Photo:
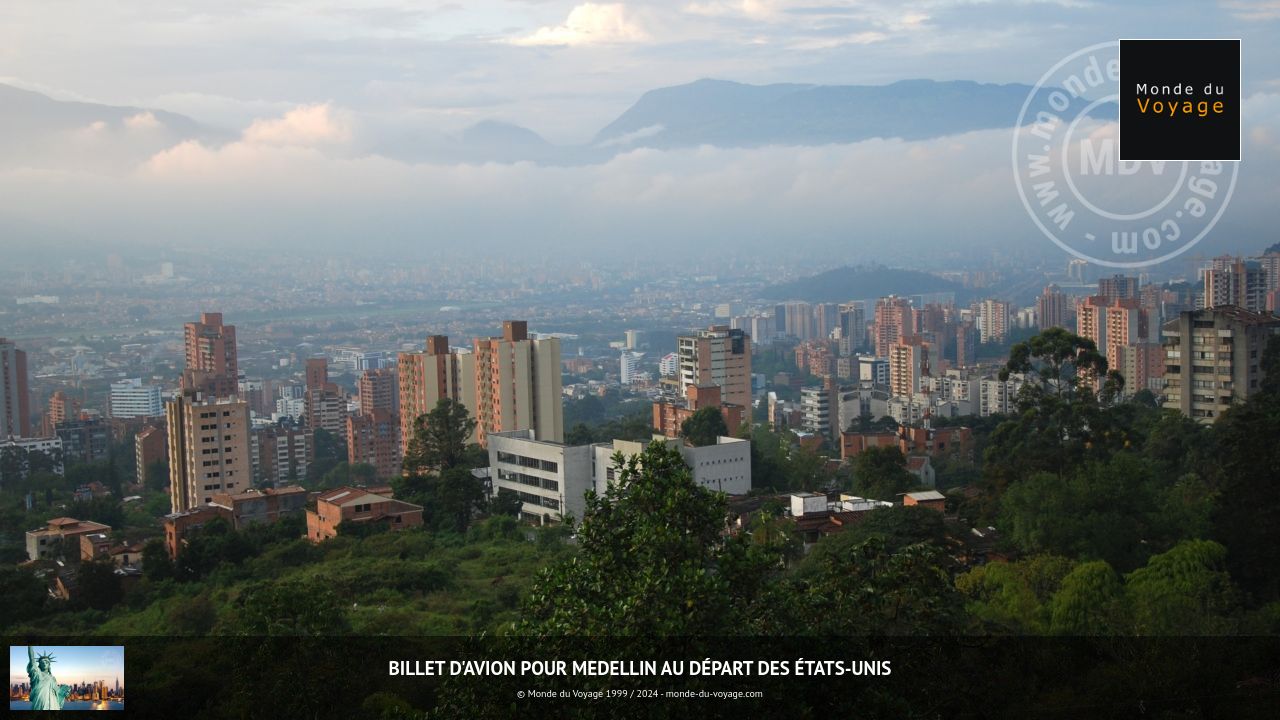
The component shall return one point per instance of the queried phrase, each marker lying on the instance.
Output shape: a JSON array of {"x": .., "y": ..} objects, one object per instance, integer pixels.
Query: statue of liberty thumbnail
[{"x": 46, "y": 693}]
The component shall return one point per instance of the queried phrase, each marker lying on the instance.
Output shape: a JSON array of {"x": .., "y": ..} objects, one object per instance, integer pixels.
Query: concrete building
[
  {"x": 1213, "y": 357},
  {"x": 379, "y": 390},
  {"x": 425, "y": 377},
  {"x": 894, "y": 319},
  {"x": 212, "y": 364},
  {"x": 518, "y": 384},
  {"x": 181, "y": 526},
  {"x": 853, "y": 325},
  {"x": 724, "y": 467},
  {"x": 1242, "y": 283},
  {"x": 209, "y": 448},
  {"x": 994, "y": 321},
  {"x": 48, "y": 447},
  {"x": 629, "y": 367},
  {"x": 669, "y": 414},
  {"x": 280, "y": 454},
  {"x": 259, "y": 506},
  {"x": 1052, "y": 308},
  {"x": 15, "y": 396},
  {"x": 149, "y": 446},
  {"x": 550, "y": 478},
  {"x": 325, "y": 407},
  {"x": 84, "y": 440},
  {"x": 357, "y": 505},
  {"x": 909, "y": 362},
  {"x": 61, "y": 408},
  {"x": 511, "y": 382},
  {"x": 1119, "y": 287},
  {"x": 717, "y": 356},
  {"x": 373, "y": 438},
  {"x": 132, "y": 399},
  {"x": 49, "y": 542}
]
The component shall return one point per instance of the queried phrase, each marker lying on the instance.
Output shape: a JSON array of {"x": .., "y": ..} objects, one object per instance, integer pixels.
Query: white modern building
[
  {"x": 629, "y": 366},
  {"x": 724, "y": 467},
  {"x": 551, "y": 478},
  {"x": 131, "y": 398}
]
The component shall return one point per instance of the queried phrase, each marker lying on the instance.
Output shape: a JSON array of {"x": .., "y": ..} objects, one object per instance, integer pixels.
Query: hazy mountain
[
  {"x": 728, "y": 114},
  {"x": 855, "y": 283},
  {"x": 36, "y": 129}
]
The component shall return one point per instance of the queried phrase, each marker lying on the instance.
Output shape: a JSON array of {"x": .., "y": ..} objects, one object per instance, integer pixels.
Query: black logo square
[{"x": 1180, "y": 99}]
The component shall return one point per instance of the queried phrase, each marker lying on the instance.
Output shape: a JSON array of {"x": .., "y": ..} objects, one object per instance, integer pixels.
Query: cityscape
[{"x": 817, "y": 359}]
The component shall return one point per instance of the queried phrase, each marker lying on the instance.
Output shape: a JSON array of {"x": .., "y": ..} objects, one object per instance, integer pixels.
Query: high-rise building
[
  {"x": 669, "y": 365},
  {"x": 212, "y": 365},
  {"x": 873, "y": 370},
  {"x": 379, "y": 390},
  {"x": 510, "y": 382},
  {"x": 280, "y": 455},
  {"x": 908, "y": 363},
  {"x": 1091, "y": 320},
  {"x": 317, "y": 373},
  {"x": 1242, "y": 283},
  {"x": 853, "y": 325},
  {"x": 893, "y": 321},
  {"x": 629, "y": 367},
  {"x": 61, "y": 408},
  {"x": 796, "y": 320},
  {"x": 1126, "y": 324},
  {"x": 994, "y": 326},
  {"x": 149, "y": 447},
  {"x": 518, "y": 383},
  {"x": 1213, "y": 358},
  {"x": 209, "y": 448},
  {"x": 825, "y": 320},
  {"x": 84, "y": 440},
  {"x": 325, "y": 405},
  {"x": 966, "y": 344},
  {"x": 373, "y": 438},
  {"x": 15, "y": 398},
  {"x": 1118, "y": 287},
  {"x": 427, "y": 376},
  {"x": 717, "y": 356},
  {"x": 1139, "y": 363},
  {"x": 131, "y": 399},
  {"x": 1052, "y": 309}
]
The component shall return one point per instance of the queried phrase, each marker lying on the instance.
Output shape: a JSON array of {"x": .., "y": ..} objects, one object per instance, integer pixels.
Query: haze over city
[{"x": 430, "y": 129}]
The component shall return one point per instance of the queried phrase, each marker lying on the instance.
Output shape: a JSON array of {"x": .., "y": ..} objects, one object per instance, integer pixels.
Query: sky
[
  {"x": 72, "y": 664},
  {"x": 307, "y": 90}
]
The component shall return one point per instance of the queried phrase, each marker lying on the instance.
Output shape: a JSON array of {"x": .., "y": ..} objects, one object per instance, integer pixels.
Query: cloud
[
  {"x": 909, "y": 202},
  {"x": 628, "y": 138},
  {"x": 145, "y": 120},
  {"x": 308, "y": 125},
  {"x": 589, "y": 24}
]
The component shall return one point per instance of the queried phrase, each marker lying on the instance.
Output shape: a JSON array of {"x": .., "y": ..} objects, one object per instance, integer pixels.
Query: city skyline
[{"x": 73, "y": 664}]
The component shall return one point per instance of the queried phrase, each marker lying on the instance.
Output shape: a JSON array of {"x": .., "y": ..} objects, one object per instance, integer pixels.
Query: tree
[
  {"x": 1246, "y": 514},
  {"x": 440, "y": 438},
  {"x": 880, "y": 473},
  {"x": 1185, "y": 591},
  {"x": 156, "y": 563},
  {"x": 99, "y": 586},
  {"x": 1012, "y": 597},
  {"x": 22, "y": 594},
  {"x": 290, "y": 608},
  {"x": 505, "y": 502},
  {"x": 704, "y": 426},
  {"x": 1087, "y": 602},
  {"x": 652, "y": 560}
]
